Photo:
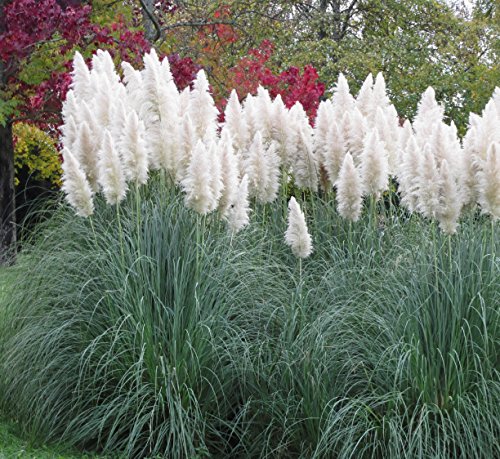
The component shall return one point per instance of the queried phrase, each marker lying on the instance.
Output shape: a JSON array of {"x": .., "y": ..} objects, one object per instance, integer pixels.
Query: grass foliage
[{"x": 149, "y": 331}]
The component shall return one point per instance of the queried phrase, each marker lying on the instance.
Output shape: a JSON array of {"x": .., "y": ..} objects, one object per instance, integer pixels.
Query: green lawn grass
[{"x": 13, "y": 446}]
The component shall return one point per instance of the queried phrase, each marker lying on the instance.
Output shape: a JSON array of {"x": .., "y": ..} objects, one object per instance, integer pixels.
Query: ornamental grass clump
[{"x": 183, "y": 312}]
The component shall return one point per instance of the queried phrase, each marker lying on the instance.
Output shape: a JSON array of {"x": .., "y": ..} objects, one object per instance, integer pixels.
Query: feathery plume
[
  {"x": 450, "y": 200},
  {"x": 134, "y": 86},
  {"x": 80, "y": 76},
  {"x": 282, "y": 130},
  {"x": 409, "y": 173},
  {"x": 262, "y": 168},
  {"x": 342, "y": 100},
  {"x": 489, "y": 182},
  {"x": 229, "y": 172},
  {"x": 349, "y": 191},
  {"x": 429, "y": 114},
  {"x": 238, "y": 212},
  {"x": 235, "y": 123},
  {"x": 304, "y": 163},
  {"x": 322, "y": 125},
  {"x": 216, "y": 183},
  {"x": 186, "y": 147},
  {"x": 197, "y": 183},
  {"x": 265, "y": 108},
  {"x": 428, "y": 185},
  {"x": 297, "y": 235},
  {"x": 85, "y": 151},
  {"x": 364, "y": 100},
  {"x": 76, "y": 186},
  {"x": 374, "y": 169},
  {"x": 133, "y": 149},
  {"x": 111, "y": 175},
  {"x": 335, "y": 151},
  {"x": 357, "y": 128},
  {"x": 379, "y": 95},
  {"x": 202, "y": 109}
]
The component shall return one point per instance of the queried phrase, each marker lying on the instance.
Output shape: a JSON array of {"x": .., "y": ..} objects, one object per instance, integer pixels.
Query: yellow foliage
[{"x": 36, "y": 150}]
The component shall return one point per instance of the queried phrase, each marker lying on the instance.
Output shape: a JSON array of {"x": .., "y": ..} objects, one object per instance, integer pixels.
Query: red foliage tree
[{"x": 292, "y": 84}]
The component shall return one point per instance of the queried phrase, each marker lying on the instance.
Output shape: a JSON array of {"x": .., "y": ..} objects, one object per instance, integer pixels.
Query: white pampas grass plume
[
  {"x": 355, "y": 131},
  {"x": 489, "y": 182},
  {"x": 265, "y": 108},
  {"x": 428, "y": 185},
  {"x": 297, "y": 235},
  {"x": 80, "y": 77},
  {"x": 235, "y": 123},
  {"x": 202, "y": 109},
  {"x": 159, "y": 112},
  {"x": 197, "y": 183},
  {"x": 250, "y": 115},
  {"x": 387, "y": 125},
  {"x": 133, "y": 149},
  {"x": 445, "y": 145},
  {"x": 96, "y": 129},
  {"x": 470, "y": 165},
  {"x": 103, "y": 65},
  {"x": 349, "y": 191},
  {"x": 76, "y": 186},
  {"x": 335, "y": 150},
  {"x": 237, "y": 214},
  {"x": 69, "y": 132},
  {"x": 409, "y": 173},
  {"x": 365, "y": 96},
  {"x": 374, "y": 169},
  {"x": 379, "y": 95},
  {"x": 216, "y": 183},
  {"x": 404, "y": 134},
  {"x": 229, "y": 172},
  {"x": 282, "y": 130},
  {"x": 111, "y": 174},
  {"x": 262, "y": 168},
  {"x": 187, "y": 144},
  {"x": 450, "y": 200},
  {"x": 304, "y": 163},
  {"x": 134, "y": 85},
  {"x": 342, "y": 100},
  {"x": 429, "y": 114},
  {"x": 85, "y": 150},
  {"x": 70, "y": 106},
  {"x": 322, "y": 125}
]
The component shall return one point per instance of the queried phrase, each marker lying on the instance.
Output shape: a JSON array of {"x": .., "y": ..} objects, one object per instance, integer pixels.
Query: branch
[
  {"x": 197, "y": 24},
  {"x": 153, "y": 19}
]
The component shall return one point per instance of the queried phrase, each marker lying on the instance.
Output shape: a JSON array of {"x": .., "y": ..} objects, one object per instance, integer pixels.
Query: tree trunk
[
  {"x": 7, "y": 193},
  {"x": 7, "y": 201},
  {"x": 150, "y": 31}
]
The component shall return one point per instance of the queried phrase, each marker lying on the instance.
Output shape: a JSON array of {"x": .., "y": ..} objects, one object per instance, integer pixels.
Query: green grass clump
[{"x": 149, "y": 331}]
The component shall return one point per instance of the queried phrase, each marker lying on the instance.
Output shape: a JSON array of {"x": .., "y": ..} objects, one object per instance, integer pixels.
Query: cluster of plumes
[
  {"x": 361, "y": 144},
  {"x": 438, "y": 175},
  {"x": 116, "y": 130}
]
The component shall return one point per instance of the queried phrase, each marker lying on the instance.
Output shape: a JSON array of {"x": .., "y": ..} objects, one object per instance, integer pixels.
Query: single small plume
[{"x": 297, "y": 235}]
